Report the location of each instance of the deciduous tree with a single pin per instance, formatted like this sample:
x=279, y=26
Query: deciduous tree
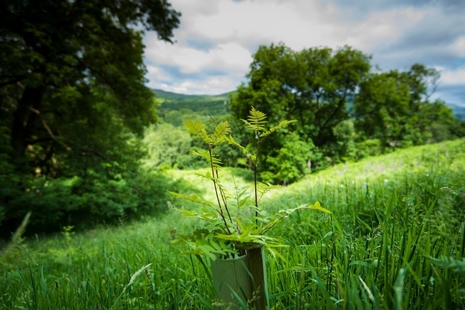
x=59, y=57
x=395, y=107
x=72, y=97
x=315, y=86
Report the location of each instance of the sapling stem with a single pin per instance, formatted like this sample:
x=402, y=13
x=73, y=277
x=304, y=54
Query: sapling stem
x=215, y=186
x=223, y=197
x=255, y=172
x=255, y=194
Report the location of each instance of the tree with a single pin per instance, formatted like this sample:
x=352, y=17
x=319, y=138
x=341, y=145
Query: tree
x=338, y=101
x=395, y=107
x=381, y=105
x=166, y=144
x=72, y=99
x=315, y=86
x=57, y=55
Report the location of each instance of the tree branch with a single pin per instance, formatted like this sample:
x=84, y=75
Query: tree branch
x=12, y=81
x=49, y=131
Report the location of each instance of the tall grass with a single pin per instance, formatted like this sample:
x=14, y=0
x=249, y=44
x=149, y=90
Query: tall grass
x=395, y=240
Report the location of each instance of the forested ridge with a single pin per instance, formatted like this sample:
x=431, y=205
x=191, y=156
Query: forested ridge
x=175, y=101
x=176, y=108
x=83, y=140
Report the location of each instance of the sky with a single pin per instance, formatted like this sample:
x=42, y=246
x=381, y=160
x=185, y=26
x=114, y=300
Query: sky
x=216, y=40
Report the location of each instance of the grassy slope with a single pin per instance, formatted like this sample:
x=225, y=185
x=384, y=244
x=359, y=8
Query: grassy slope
x=395, y=240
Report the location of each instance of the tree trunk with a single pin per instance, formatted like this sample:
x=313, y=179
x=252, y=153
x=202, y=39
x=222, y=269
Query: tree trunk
x=24, y=121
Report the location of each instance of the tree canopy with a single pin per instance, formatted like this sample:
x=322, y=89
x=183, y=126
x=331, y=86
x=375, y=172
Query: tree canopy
x=337, y=99
x=395, y=106
x=72, y=90
x=59, y=58
x=314, y=87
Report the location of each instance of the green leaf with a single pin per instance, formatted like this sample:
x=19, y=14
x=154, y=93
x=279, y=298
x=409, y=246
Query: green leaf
x=221, y=130
x=273, y=129
x=275, y=253
x=256, y=120
x=212, y=159
x=207, y=176
x=193, y=198
x=198, y=129
x=318, y=207
x=231, y=140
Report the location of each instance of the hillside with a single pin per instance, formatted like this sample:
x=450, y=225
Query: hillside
x=216, y=103
x=163, y=95
x=395, y=240
x=175, y=108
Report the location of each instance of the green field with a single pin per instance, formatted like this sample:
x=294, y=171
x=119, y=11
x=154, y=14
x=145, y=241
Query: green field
x=395, y=240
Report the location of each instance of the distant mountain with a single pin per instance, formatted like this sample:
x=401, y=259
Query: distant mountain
x=459, y=111
x=166, y=95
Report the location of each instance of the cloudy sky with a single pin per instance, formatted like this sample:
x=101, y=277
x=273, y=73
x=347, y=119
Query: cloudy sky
x=217, y=38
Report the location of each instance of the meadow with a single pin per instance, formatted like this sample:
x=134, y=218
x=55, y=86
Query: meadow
x=395, y=240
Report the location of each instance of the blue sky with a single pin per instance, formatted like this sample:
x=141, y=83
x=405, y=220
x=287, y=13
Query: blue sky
x=217, y=38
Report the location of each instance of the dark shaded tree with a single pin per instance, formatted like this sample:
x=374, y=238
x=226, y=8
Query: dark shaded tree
x=72, y=95
x=56, y=53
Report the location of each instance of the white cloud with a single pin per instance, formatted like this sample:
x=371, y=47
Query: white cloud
x=459, y=46
x=212, y=85
x=380, y=28
x=229, y=56
x=156, y=73
x=453, y=77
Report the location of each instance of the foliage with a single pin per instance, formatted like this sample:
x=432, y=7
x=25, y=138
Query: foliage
x=233, y=156
x=233, y=221
x=72, y=101
x=101, y=194
x=165, y=144
x=184, y=99
x=338, y=102
x=313, y=86
x=101, y=184
x=177, y=108
x=395, y=108
x=369, y=147
x=389, y=244
x=170, y=146
x=60, y=58
x=291, y=161
x=177, y=112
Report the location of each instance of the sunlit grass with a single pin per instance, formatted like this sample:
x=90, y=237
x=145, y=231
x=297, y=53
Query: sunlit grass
x=395, y=240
